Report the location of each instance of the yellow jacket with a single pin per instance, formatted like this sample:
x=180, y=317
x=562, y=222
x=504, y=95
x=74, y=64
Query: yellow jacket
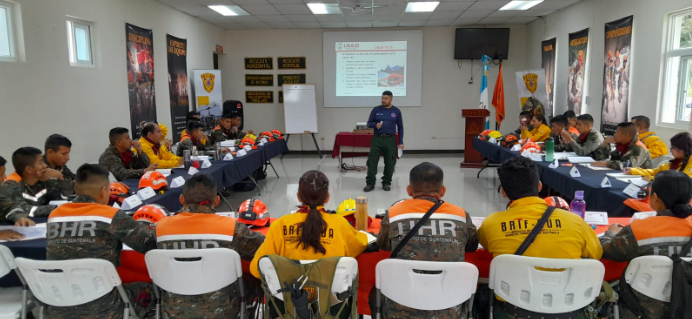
x=663, y=167
x=164, y=130
x=165, y=159
x=282, y=239
x=654, y=144
x=538, y=134
x=565, y=235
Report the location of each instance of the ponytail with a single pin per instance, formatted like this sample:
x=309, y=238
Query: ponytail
x=311, y=231
x=682, y=210
x=313, y=190
x=674, y=189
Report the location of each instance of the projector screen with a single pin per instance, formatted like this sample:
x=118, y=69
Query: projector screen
x=359, y=66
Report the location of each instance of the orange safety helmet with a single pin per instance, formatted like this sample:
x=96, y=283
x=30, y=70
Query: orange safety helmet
x=253, y=212
x=153, y=179
x=248, y=141
x=119, y=192
x=268, y=135
x=278, y=134
x=509, y=140
x=151, y=214
x=557, y=201
x=531, y=147
x=525, y=140
x=484, y=136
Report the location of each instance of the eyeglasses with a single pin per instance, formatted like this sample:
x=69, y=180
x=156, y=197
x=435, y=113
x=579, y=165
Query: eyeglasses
x=674, y=148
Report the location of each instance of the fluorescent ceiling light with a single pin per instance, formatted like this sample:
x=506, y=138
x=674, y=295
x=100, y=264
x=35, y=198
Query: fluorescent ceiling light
x=324, y=8
x=422, y=6
x=229, y=10
x=521, y=5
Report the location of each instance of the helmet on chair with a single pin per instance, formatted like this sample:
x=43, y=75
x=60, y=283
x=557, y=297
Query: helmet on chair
x=278, y=134
x=509, y=140
x=151, y=214
x=248, y=141
x=557, y=201
x=268, y=135
x=253, y=212
x=119, y=192
x=153, y=179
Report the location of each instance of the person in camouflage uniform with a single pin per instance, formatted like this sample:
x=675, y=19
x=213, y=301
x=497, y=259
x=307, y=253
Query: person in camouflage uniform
x=558, y=125
x=194, y=137
x=228, y=129
x=524, y=119
x=629, y=150
x=455, y=236
x=29, y=190
x=589, y=141
x=662, y=235
x=119, y=158
x=197, y=218
x=8, y=234
x=57, y=154
x=89, y=228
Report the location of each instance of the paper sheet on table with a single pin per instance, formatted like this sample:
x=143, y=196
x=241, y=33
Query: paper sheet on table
x=165, y=172
x=477, y=221
x=580, y=159
x=636, y=180
x=371, y=238
x=32, y=232
x=597, y=168
x=596, y=218
x=228, y=143
x=564, y=155
x=401, y=153
x=57, y=202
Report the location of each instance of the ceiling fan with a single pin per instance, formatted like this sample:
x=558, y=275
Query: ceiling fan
x=357, y=8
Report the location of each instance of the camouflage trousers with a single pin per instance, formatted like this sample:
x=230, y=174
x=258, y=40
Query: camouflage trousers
x=111, y=306
x=499, y=313
x=653, y=309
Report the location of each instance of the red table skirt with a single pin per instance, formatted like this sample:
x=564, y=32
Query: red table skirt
x=348, y=139
x=133, y=268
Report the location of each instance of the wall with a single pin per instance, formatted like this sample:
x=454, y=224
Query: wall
x=436, y=125
x=44, y=94
x=648, y=41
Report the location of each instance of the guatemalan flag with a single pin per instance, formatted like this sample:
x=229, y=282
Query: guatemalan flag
x=485, y=61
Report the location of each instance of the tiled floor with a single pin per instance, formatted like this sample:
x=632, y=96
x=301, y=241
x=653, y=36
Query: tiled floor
x=479, y=197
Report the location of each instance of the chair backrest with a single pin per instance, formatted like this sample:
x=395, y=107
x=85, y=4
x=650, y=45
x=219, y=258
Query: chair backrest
x=651, y=276
x=6, y=261
x=346, y=271
x=545, y=285
x=193, y=271
x=656, y=162
x=66, y=283
x=426, y=285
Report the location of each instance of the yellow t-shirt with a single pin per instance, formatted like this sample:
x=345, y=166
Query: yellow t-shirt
x=340, y=239
x=663, y=167
x=654, y=144
x=538, y=134
x=565, y=235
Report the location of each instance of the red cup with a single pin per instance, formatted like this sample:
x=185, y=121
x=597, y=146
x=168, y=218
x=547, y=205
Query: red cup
x=195, y=164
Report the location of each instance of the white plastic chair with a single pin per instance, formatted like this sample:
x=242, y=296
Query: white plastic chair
x=442, y=286
x=69, y=283
x=13, y=301
x=656, y=162
x=651, y=276
x=346, y=272
x=568, y=285
x=212, y=269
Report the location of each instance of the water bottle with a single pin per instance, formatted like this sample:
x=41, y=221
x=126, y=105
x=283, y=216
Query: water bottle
x=218, y=155
x=194, y=151
x=549, y=149
x=187, y=159
x=578, y=205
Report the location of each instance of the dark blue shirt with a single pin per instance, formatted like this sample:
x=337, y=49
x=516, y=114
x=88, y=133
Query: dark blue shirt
x=391, y=120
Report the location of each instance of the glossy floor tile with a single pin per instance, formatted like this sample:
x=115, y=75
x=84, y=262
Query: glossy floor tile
x=478, y=196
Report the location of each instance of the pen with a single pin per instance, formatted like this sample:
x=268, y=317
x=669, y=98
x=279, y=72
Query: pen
x=628, y=164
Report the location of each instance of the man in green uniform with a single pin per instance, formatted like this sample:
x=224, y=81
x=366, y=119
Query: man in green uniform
x=386, y=119
x=589, y=141
x=57, y=154
x=629, y=150
x=119, y=158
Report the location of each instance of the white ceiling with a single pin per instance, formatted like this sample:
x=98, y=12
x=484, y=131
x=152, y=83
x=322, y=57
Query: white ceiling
x=294, y=14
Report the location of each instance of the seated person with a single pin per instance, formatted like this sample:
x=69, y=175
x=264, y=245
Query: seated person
x=8, y=205
x=192, y=117
x=653, y=143
x=524, y=119
x=193, y=138
x=540, y=131
x=227, y=129
x=426, y=189
x=629, y=151
x=57, y=154
x=157, y=153
x=3, y=170
x=119, y=158
x=558, y=125
x=589, y=140
x=681, y=148
x=572, y=120
x=304, y=240
x=30, y=188
x=664, y=234
x=196, y=222
x=568, y=236
x=102, y=232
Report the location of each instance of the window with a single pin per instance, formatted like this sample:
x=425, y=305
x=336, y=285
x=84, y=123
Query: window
x=7, y=49
x=677, y=94
x=79, y=43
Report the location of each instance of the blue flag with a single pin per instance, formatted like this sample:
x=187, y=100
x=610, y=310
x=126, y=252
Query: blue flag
x=483, y=104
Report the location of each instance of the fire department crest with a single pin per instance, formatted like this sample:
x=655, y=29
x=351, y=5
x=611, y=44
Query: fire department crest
x=531, y=82
x=208, y=81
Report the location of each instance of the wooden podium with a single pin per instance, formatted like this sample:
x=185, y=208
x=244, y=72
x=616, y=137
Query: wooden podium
x=475, y=124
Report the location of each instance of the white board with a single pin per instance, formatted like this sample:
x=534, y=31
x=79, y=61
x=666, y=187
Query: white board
x=300, y=108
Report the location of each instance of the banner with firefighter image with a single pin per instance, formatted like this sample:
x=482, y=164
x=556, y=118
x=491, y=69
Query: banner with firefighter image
x=140, y=76
x=616, y=74
x=532, y=92
x=548, y=58
x=578, y=43
x=177, y=84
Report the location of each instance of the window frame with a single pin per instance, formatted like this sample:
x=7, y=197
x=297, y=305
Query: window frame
x=72, y=24
x=669, y=54
x=9, y=7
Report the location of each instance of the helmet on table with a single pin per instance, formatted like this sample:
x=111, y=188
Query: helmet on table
x=153, y=179
x=248, y=141
x=268, y=135
x=525, y=140
x=557, y=201
x=484, y=135
x=151, y=214
x=119, y=192
x=495, y=134
x=509, y=140
x=347, y=209
x=250, y=135
x=531, y=147
x=253, y=212
x=278, y=134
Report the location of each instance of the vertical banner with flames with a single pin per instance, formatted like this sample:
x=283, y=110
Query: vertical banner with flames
x=549, y=67
x=532, y=93
x=140, y=76
x=578, y=45
x=616, y=74
x=177, y=84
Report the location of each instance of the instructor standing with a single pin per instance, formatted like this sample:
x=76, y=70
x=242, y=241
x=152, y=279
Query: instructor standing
x=385, y=119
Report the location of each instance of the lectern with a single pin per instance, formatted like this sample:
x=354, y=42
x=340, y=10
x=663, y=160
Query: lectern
x=475, y=124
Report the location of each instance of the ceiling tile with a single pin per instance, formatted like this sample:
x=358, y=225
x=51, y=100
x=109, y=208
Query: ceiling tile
x=411, y=23
x=359, y=24
x=333, y=25
x=307, y=25
x=198, y=11
x=214, y=2
x=176, y=3
x=245, y=19
x=453, y=6
x=293, y=8
x=219, y=19
x=449, y=15
x=273, y=18
x=231, y=26
x=285, y=1
x=256, y=2
x=476, y=14
x=358, y=17
x=260, y=25
x=535, y=12
x=260, y=9
x=504, y=14
x=391, y=9
x=330, y=17
x=466, y=21
x=387, y=17
x=488, y=5
x=321, y=1
x=438, y=23
x=418, y=16
x=385, y=24
x=520, y=20
x=555, y=4
x=493, y=21
x=281, y=25
x=301, y=17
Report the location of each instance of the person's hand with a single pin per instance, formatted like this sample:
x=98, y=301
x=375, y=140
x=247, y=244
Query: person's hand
x=167, y=143
x=566, y=137
x=225, y=150
x=10, y=235
x=151, y=167
x=181, y=160
x=615, y=228
x=401, y=146
x=234, y=129
x=137, y=146
x=608, y=140
x=49, y=173
x=524, y=127
x=24, y=222
x=626, y=170
x=599, y=164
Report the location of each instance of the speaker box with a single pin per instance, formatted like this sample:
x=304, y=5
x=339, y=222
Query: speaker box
x=234, y=107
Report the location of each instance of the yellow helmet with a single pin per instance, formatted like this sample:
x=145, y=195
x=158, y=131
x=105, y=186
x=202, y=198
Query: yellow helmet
x=347, y=207
x=252, y=136
x=495, y=134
